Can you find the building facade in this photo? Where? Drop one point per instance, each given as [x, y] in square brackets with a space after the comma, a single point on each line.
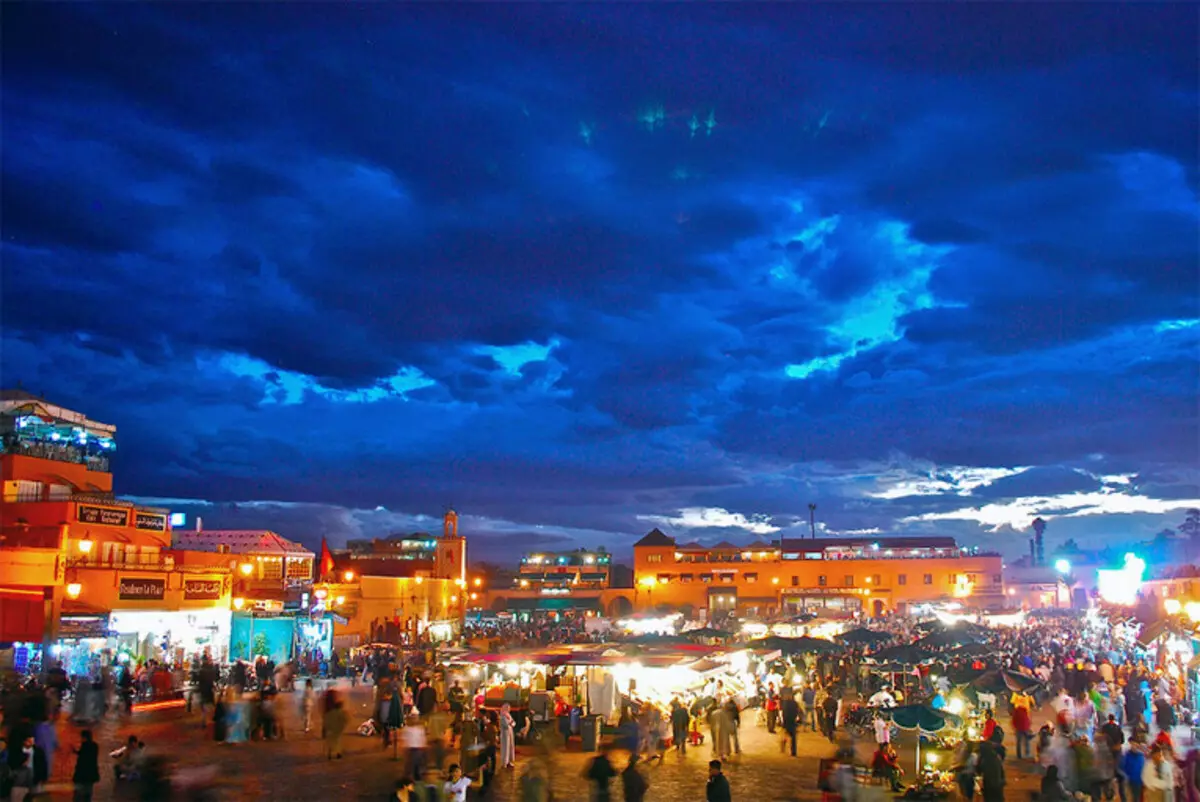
[399, 589]
[851, 575]
[83, 569]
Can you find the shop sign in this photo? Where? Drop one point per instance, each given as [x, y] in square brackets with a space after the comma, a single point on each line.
[201, 589]
[151, 521]
[83, 626]
[137, 589]
[821, 591]
[106, 516]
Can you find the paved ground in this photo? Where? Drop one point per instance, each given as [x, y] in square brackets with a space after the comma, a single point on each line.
[295, 768]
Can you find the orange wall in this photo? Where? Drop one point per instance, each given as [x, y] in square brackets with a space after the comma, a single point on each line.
[54, 513]
[870, 579]
[36, 469]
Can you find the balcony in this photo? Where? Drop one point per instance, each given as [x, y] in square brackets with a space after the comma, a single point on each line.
[90, 454]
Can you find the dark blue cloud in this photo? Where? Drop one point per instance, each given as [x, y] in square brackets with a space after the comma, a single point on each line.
[577, 269]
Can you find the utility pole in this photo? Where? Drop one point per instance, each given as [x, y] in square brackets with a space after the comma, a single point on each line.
[812, 519]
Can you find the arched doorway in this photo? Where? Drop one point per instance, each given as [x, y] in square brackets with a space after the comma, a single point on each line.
[619, 607]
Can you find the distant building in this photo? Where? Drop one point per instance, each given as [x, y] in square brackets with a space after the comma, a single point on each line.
[842, 575]
[398, 589]
[580, 568]
[272, 572]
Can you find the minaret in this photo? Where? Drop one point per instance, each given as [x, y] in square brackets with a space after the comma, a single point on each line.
[450, 524]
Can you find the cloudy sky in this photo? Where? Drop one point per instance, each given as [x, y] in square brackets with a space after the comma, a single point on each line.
[581, 270]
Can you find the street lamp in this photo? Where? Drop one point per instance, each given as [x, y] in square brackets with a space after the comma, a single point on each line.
[74, 589]
[348, 576]
[246, 569]
[85, 545]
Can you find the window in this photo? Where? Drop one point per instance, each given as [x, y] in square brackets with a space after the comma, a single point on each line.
[954, 579]
[902, 579]
[299, 569]
[654, 558]
[795, 581]
[687, 577]
[876, 580]
[751, 577]
[821, 580]
[707, 578]
[272, 568]
[726, 579]
[997, 579]
[663, 578]
[929, 579]
[848, 581]
[149, 555]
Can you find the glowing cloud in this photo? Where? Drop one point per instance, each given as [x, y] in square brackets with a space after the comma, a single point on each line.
[714, 518]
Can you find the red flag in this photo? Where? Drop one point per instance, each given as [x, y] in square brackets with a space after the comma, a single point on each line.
[325, 567]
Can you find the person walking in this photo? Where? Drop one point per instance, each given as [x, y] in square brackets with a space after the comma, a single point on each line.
[680, 719]
[1158, 777]
[632, 781]
[717, 789]
[600, 772]
[991, 770]
[332, 728]
[789, 712]
[87, 767]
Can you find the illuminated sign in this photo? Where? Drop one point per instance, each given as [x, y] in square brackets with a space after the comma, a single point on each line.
[150, 521]
[1121, 586]
[178, 519]
[106, 516]
[138, 589]
[202, 589]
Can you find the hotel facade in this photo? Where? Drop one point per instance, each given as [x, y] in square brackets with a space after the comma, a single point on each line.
[872, 576]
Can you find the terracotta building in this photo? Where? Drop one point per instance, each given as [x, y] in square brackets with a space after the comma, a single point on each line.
[872, 575]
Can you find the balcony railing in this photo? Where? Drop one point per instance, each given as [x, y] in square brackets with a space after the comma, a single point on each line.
[34, 496]
[58, 451]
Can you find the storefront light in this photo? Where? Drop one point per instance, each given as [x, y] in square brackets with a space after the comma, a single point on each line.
[339, 601]
[246, 569]
[478, 581]
[460, 582]
[454, 600]
[239, 603]
[85, 545]
[74, 589]
[474, 596]
[348, 576]
[1172, 606]
[320, 593]
[420, 579]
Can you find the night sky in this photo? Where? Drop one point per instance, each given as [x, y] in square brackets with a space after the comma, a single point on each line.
[578, 271]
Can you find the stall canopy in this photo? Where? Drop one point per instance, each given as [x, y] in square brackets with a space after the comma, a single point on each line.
[922, 717]
[706, 633]
[906, 654]
[790, 646]
[947, 638]
[576, 603]
[862, 636]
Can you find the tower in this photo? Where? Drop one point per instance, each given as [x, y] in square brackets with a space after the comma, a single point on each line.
[450, 524]
[1039, 529]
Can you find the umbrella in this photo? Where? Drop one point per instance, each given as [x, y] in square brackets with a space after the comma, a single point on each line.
[947, 637]
[864, 636]
[706, 632]
[968, 650]
[1015, 681]
[922, 717]
[907, 654]
[791, 646]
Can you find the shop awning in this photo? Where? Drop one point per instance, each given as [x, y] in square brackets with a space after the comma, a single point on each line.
[22, 615]
[77, 627]
[557, 604]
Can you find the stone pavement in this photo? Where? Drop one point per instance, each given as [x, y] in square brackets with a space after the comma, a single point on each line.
[295, 768]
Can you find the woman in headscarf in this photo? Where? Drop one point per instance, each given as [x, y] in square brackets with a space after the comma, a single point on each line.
[507, 744]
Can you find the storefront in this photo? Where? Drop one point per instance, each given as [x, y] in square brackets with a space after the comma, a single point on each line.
[280, 637]
[174, 636]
